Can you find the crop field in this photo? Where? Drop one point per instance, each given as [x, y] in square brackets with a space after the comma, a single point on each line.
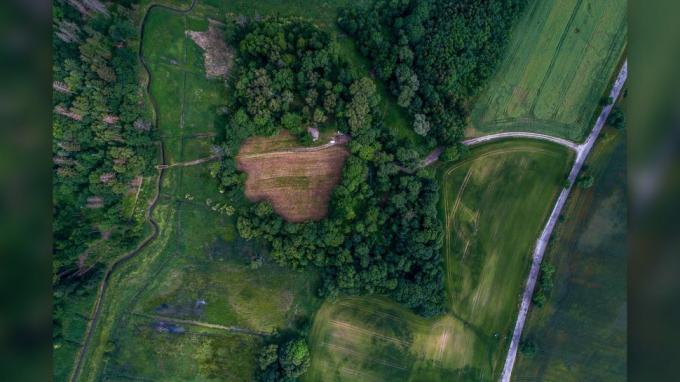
[191, 305]
[581, 331]
[297, 183]
[495, 204]
[558, 64]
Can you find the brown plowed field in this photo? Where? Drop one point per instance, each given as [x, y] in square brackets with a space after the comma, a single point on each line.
[297, 181]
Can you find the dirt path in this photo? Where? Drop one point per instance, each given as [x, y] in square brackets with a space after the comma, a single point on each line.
[522, 134]
[231, 329]
[338, 139]
[189, 163]
[96, 309]
[542, 242]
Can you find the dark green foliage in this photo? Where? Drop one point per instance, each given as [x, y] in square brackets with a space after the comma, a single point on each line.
[101, 139]
[606, 100]
[545, 284]
[616, 118]
[435, 54]
[285, 362]
[454, 153]
[382, 235]
[585, 181]
[528, 348]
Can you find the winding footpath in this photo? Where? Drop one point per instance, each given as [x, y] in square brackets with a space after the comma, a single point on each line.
[582, 152]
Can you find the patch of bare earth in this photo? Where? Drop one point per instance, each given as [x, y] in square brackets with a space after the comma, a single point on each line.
[298, 184]
[217, 55]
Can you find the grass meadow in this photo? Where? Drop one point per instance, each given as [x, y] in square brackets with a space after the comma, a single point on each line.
[558, 64]
[581, 331]
[495, 203]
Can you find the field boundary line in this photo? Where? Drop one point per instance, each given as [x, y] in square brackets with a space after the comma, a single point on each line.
[542, 241]
[521, 134]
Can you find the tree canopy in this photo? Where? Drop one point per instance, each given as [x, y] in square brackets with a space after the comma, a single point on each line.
[435, 54]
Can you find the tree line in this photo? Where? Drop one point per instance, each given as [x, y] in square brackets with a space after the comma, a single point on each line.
[435, 55]
[102, 139]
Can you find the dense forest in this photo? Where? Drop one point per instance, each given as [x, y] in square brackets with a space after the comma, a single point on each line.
[382, 235]
[102, 141]
[435, 55]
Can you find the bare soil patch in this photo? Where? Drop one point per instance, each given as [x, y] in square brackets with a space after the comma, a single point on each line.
[298, 184]
[217, 55]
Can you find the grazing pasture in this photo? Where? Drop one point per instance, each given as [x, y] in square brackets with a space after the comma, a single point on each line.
[494, 204]
[580, 333]
[558, 64]
[298, 182]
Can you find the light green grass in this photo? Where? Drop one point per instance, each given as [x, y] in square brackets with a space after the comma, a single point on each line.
[196, 354]
[495, 203]
[203, 100]
[581, 331]
[558, 64]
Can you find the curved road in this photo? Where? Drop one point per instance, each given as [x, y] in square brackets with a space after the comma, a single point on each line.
[542, 242]
[521, 134]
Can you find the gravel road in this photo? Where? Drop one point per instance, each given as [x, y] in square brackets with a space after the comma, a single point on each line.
[581, 154]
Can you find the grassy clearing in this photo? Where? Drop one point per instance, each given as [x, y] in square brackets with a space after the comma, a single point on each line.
[558, 64]
[495, 204]
[298, 184]
[198, 256]
[581, 331]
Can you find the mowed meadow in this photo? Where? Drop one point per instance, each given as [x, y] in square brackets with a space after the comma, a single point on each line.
[558, 64]
[494, 204]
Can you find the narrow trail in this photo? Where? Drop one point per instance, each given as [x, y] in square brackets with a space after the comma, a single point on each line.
[189, 163]
[231, 329]
[96, 309]
[542, 242]
[522, 134]
[338, 139]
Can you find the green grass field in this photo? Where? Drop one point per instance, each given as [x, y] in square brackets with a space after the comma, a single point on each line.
[558, 64]
[495, 203]
[581, 331]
